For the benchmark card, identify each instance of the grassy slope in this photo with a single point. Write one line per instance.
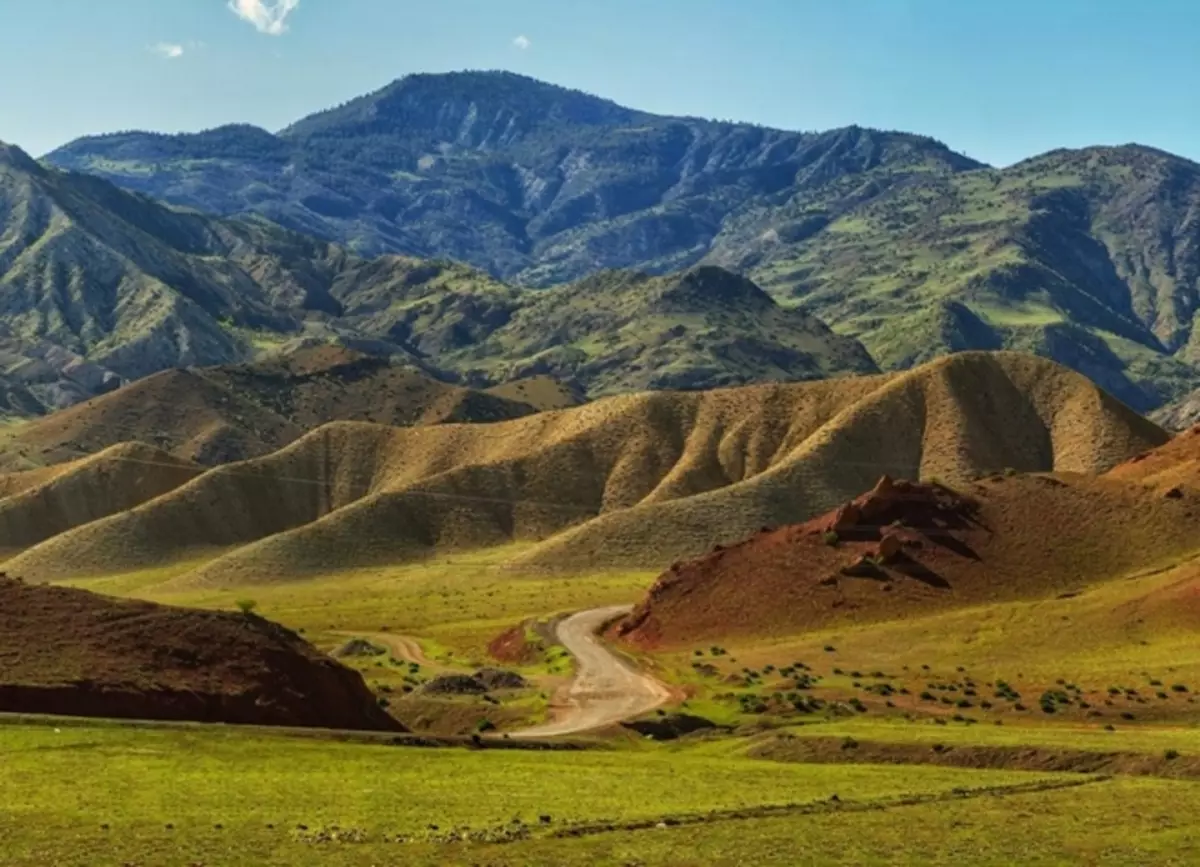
(1068, 255)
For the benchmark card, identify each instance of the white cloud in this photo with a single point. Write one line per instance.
(168, 50)
(268, 16)
(522, 42)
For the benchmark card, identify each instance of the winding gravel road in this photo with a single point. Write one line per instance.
(605, 689)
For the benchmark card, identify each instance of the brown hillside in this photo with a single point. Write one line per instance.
(72, 652)
(953, 419)
(86, 490)
(541, 392)
(220, 414)
(906, 548)
(632, 480)
(1176, 463)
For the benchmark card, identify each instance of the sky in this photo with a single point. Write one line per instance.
(999, 81)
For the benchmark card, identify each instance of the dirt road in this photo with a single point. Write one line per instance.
(605, 689)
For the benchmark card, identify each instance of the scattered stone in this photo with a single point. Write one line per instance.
(498, 678)
(358, 647)
(454, 684)
(668, 727)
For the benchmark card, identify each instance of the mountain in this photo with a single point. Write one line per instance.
(99, 287)
(627, 481)
(1090, 257)
(620, 332)
(522, 178)
(65, 651)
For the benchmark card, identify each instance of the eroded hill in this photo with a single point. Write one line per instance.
(636, 480)
(228, 413)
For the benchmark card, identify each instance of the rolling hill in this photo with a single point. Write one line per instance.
(906, 549)
(228, 413)
(1090, 257)
(39, 504)
(636, 480)
(72, 652)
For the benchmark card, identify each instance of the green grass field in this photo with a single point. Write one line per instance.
(221, 796)
(218, 796)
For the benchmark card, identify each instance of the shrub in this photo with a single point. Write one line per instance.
(829, 648)
(1179, 687)
(830, 538)
(927, 696)
(849, 743)
(246, 606)
(485, 725)
(1171, 754)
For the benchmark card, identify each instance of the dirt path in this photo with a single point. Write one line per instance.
(605, 689)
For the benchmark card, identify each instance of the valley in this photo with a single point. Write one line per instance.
(484, 472)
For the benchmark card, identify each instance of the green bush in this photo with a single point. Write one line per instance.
(246, 606)
(1171, 754)
(830, 538)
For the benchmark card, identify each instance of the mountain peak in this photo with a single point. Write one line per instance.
(711, 285)
(12, 156)
(451, 102)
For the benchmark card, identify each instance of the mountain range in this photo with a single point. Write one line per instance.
(1089, 257)
(100, 286)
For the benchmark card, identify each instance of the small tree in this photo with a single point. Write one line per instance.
(246, 606)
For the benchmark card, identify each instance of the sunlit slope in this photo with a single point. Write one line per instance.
(82, 491)
(637, 479)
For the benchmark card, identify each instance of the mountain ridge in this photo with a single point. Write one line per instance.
(1089, 256)
(100, 286)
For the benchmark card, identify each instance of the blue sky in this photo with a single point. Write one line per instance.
(997, 80)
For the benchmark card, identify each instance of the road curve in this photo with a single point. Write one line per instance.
(605, 690)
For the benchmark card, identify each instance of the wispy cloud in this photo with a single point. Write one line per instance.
(268, 16)
(522, 42)
(168, 50)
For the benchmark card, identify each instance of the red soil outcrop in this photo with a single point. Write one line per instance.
(514, 647)
(907, 547)
(72, 652)
(1175, 464)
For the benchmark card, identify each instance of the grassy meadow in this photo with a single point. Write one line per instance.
(874, 715)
